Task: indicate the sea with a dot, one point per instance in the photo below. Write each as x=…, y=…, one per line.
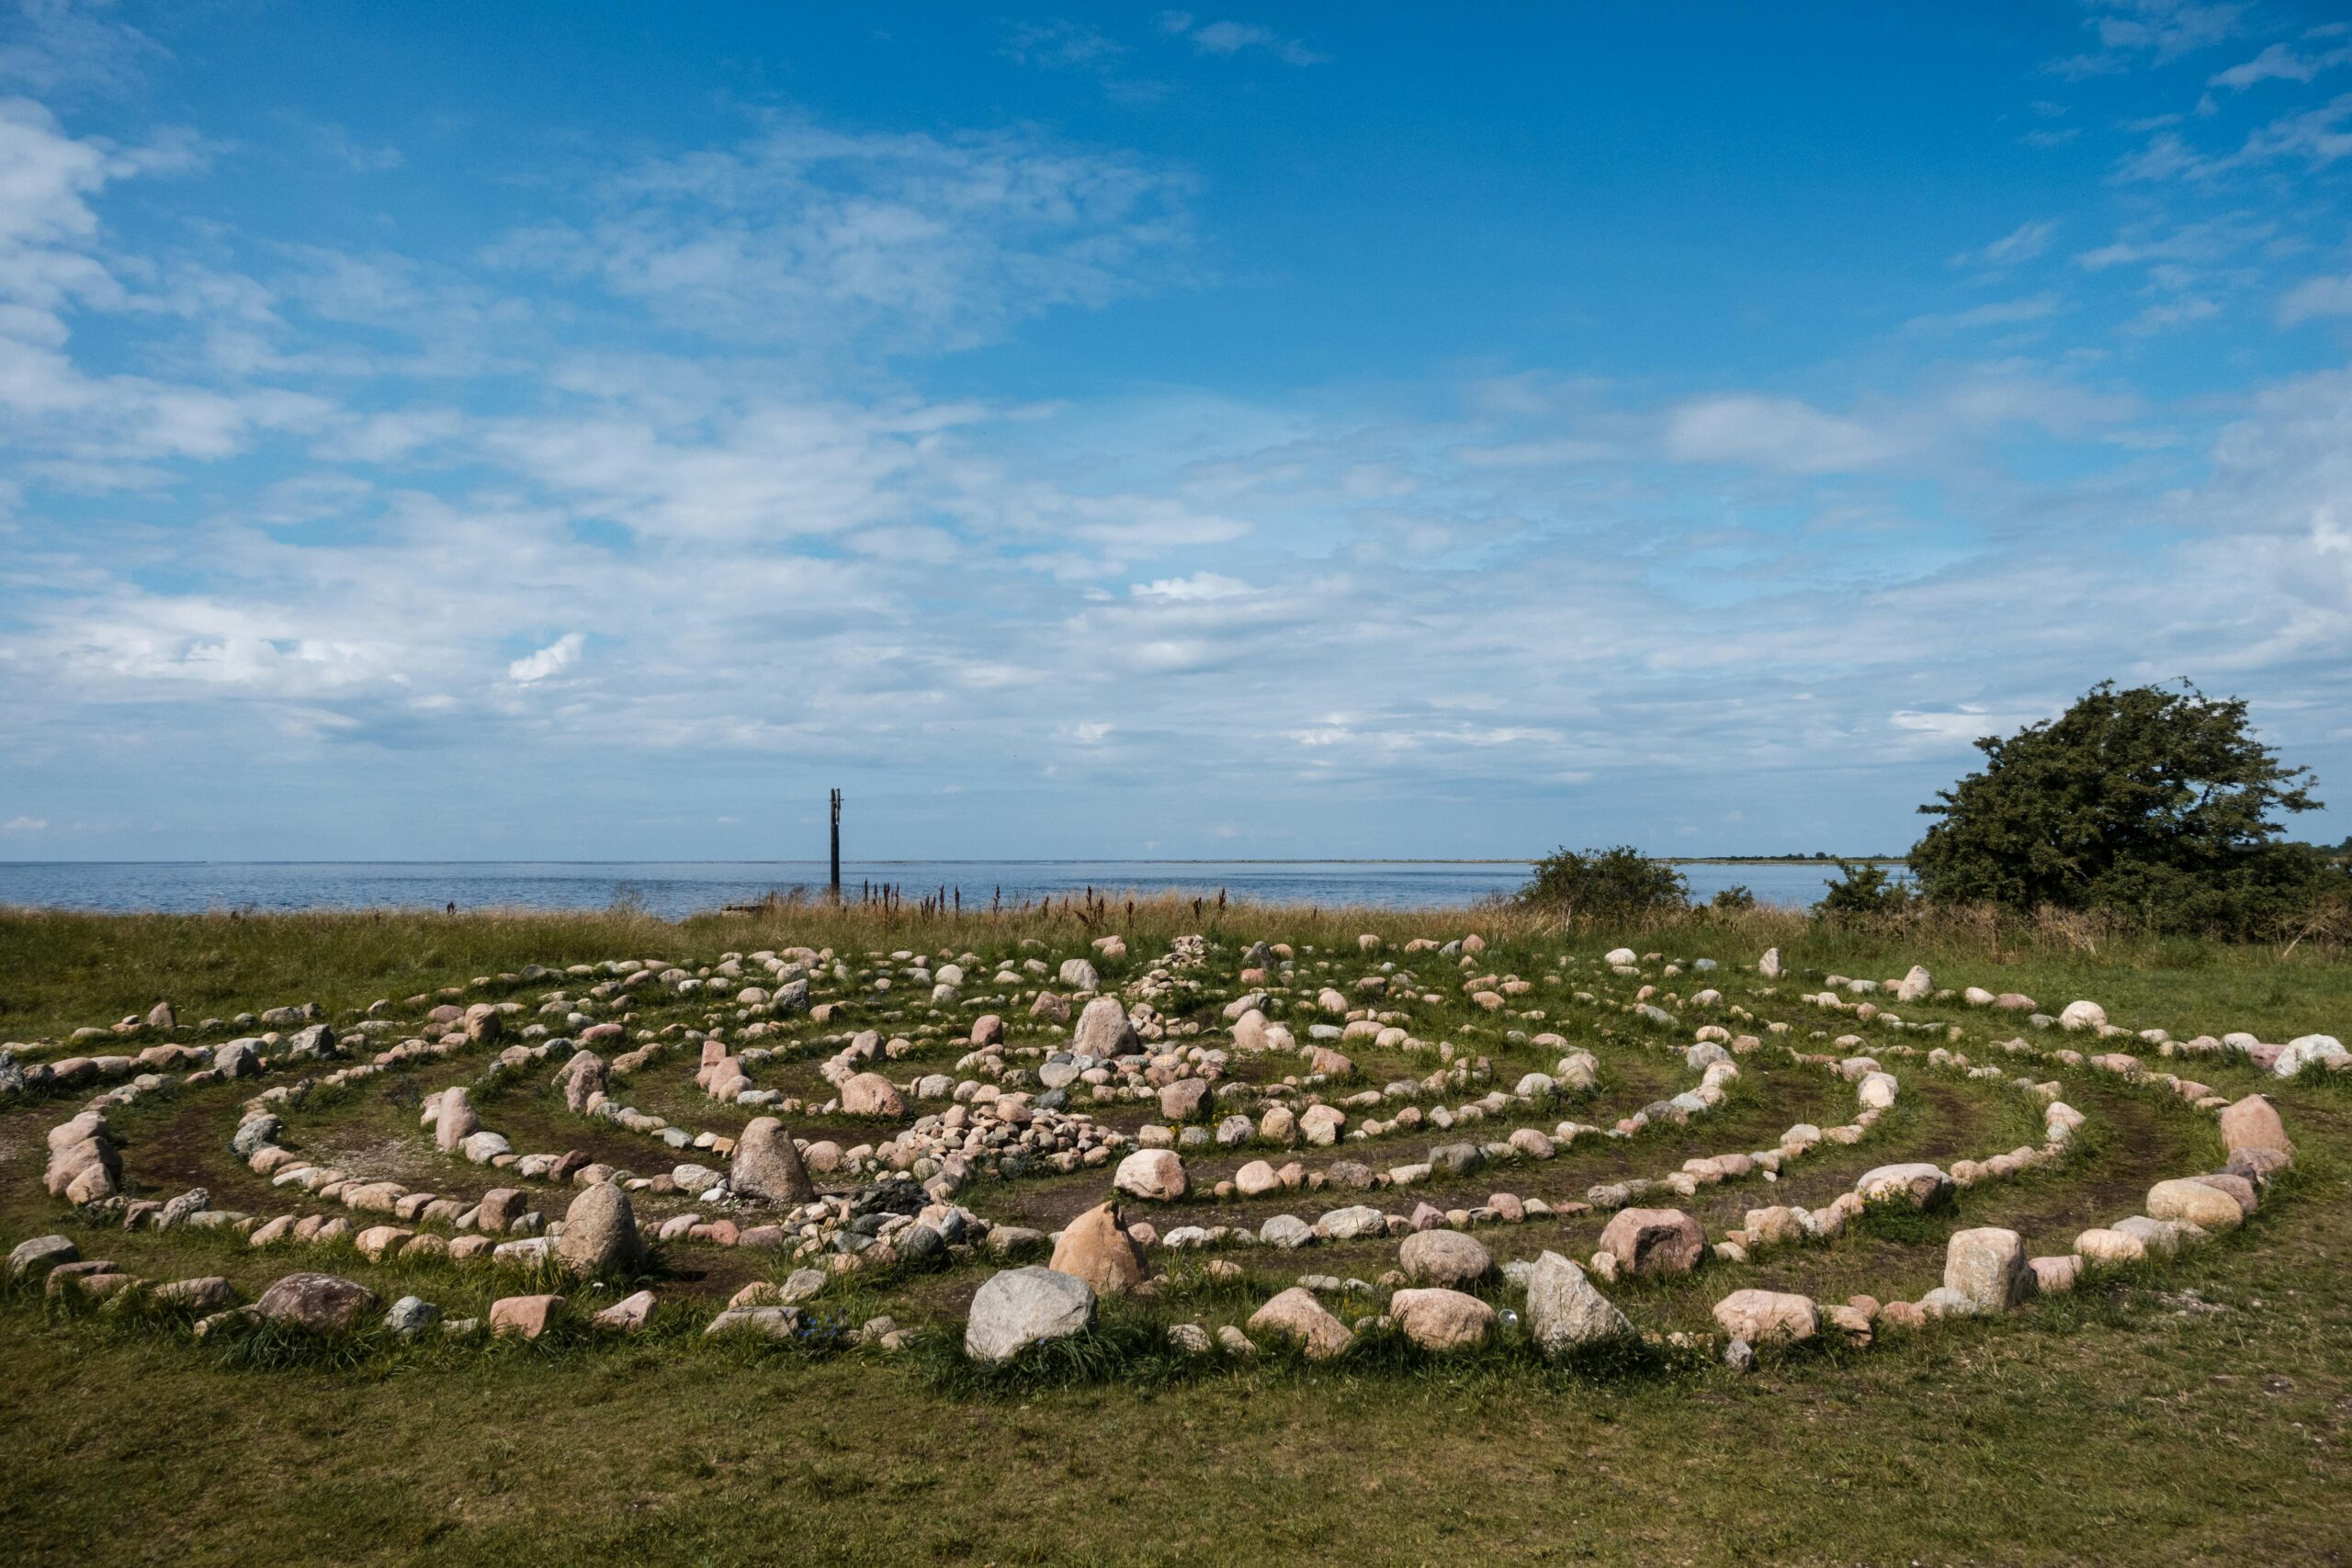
x=675, y=888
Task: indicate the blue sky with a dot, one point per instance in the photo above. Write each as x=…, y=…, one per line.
x=593, y=430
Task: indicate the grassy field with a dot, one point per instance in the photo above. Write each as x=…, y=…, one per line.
x=2187, y=1412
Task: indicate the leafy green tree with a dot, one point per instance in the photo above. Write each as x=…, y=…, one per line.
x=2151, y=799
x=1735, y=897
x=1863, y=889
x=1606, y=885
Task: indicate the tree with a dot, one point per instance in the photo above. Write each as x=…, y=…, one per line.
x=2149, y=799
x=1605, y=884
x=1736, y=899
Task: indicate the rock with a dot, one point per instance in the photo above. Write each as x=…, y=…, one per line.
x=526, y=1316
x=2103, y=1246
x=33, y=1259
x=1351, y=1223
x=1079, y=975
x=1287, y=1232
x=1768, y=1317
x=1988, y=1266
x=411, y=1315
x=1919, y=1185
x=1096, y=1248
x=2240, y=1189
x=2303, y=1051
x=1443, y=1258
x=1103, y=1029
x=1916, y=985
x=1654, y=1241
x=1295, y=1314
x=2252, y=1124
x=323, y=1303
x=1439, y=1319
x=871, y=1094
x=2208, y=1208
x=1154, y=1174
x=1184, y=1098
x=1020, y=1307
x=773, y=1322
x=2082, y=1015
x=1740, y=1356
x=454, y=1120
x=629, y=1314
x=1256, y=1179
x=253, y=1133
x=2055, y=1276
x=1321, y=1124
x=205, y=1294
x=1565, y=1311
x=766, y=1165
x=1457, y=1159
x=1770, y=964
x=600, y=1238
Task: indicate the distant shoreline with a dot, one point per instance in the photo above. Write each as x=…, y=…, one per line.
x=1020, y=860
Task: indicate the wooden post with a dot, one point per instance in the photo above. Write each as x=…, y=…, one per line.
x=837, y=846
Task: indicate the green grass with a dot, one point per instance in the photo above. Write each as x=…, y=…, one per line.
x=2187, y=1412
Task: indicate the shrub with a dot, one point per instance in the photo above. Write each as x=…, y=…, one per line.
x=1605, y=884
x=1863, y=889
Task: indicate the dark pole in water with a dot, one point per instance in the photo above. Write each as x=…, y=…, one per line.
x=837, y=846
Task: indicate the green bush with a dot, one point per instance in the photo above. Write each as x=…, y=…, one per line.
x=1605, y=884
x=1863, y=889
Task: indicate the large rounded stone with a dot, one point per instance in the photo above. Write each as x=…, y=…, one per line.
x=1439, y=1319
x=1919, y=1185
x=1295, y=1314
x=1443, y=1258
x=1654, y=1241
x=2207, y=1208
x=1103, y=1029
x=1768, y=1317
x=600, y=1237
x=1096, y=1248
x=327, y=1303
x=766, y=1165
x=1565, y=1311
x=33, y=1259
x=2252, y=1124
x=1022, y=1307
x=1256, y=1179
x=871, y=1094
x=1154, y=1174
x=2082, y=1015
x=1988, y=1267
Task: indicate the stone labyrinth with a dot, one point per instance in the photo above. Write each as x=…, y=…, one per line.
x=1437, y=1141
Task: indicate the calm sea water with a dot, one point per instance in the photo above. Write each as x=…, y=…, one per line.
x=682, y=887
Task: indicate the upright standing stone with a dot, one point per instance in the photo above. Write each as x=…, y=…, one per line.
x=766, y=1165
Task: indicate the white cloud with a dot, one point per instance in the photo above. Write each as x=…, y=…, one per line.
x=804, y=235
x=1997, y=314
x=2280, y=62
x=2316, y=296
x=1782, y=434
x=2022, y=243
x=24, y=825
x=553, y=660
x=1234, y=38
